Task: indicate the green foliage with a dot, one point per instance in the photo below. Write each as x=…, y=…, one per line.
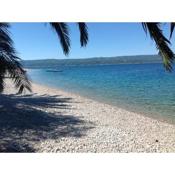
x=62, y=31
x=9, y=62
x=162, y=43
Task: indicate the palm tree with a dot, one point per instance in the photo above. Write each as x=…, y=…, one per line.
x=10, y=62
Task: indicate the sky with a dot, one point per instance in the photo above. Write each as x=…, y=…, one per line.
x=39, y=41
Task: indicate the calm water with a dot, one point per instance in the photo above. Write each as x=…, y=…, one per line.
x=145, y=88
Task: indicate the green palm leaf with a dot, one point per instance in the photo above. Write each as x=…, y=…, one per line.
x=9, y=62
x=63, y=34
x=172, y=29
x=83, y=33
x=162, y=43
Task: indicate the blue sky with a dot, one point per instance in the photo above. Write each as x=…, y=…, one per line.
x=38, y=40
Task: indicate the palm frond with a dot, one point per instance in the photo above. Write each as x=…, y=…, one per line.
x=83, y=33
x=161, y=43
x=144, y=25
x=172, y=28
x=63, y=34
x=3, y=24
x=9, y=62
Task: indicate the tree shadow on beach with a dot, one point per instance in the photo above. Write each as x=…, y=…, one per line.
x=26, y=120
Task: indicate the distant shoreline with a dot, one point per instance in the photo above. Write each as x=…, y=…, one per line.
x=91, y=65
x=141, y=59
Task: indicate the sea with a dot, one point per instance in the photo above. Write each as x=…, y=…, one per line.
x=143, y=88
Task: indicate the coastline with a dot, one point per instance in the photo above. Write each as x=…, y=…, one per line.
x=118, y=106
x=122, y=106
x=92, y=126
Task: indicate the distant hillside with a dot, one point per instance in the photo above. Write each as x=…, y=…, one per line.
x=53, y=63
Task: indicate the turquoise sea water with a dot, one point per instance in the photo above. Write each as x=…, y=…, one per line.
x=145, y=88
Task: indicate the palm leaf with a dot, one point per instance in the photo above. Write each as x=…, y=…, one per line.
x=63, y=34
x=144, y=25
x=83, y=33
x=161, y=43
x=172, y=29
x=9, y=62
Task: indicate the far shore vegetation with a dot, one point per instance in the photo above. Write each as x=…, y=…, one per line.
x=55, y=63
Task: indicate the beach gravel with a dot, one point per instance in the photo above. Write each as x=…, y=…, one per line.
x=52, y=120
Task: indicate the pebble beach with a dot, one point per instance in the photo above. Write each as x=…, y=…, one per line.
x=52, y=120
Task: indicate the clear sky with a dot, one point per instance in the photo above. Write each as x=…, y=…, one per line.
x=38, y=40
